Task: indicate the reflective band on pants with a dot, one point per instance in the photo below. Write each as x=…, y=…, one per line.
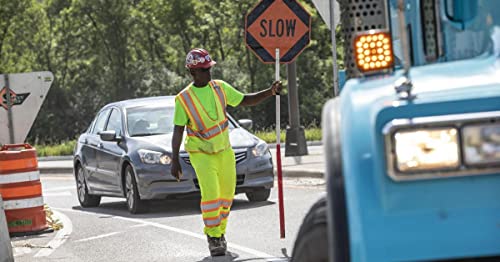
x=216, y=175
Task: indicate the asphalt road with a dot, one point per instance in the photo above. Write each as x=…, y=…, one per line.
x=170, y=231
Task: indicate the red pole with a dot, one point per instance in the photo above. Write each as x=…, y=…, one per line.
x=278, y=152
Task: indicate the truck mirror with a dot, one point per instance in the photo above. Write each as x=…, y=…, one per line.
x=461, y=11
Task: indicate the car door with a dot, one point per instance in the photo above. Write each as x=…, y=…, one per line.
x=109, y=154
x=95, y=181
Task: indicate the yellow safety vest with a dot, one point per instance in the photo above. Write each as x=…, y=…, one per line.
x=204, y=134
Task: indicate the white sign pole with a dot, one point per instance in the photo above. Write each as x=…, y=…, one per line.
x=278, y=151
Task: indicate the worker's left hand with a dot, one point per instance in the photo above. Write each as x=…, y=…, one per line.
x=276, y=88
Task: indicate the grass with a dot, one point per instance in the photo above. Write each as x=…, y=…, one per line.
x=311, y=134
x=66, y=148
x=63, y=149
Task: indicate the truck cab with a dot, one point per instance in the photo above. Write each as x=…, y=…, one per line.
x=412, y=143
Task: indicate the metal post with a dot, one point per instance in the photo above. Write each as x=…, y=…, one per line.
x=334, y=49
x=9, y=109
x=295, y=137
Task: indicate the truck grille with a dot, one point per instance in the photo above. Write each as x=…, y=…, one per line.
x=240, y=157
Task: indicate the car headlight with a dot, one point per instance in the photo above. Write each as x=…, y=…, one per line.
x=426, y=149
x=153, y=157
x=481, y=144
x=260, y=149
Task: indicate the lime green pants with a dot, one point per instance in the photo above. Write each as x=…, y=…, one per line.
x=217, y=179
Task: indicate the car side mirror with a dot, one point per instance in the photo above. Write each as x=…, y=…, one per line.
x=246, y=123
x=109, y=135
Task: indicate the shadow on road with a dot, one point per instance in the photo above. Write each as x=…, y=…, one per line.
x=166, y=208
x=233, y=257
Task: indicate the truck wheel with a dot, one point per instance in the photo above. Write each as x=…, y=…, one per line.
x=259, y=195
x=311, y=244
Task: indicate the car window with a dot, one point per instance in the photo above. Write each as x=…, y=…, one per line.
x=150, y=120
x=100, y=122
x=115, y=122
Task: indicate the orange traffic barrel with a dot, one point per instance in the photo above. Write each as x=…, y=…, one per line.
x=21, y=189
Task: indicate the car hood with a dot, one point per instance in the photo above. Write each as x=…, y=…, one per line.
x=239, y=138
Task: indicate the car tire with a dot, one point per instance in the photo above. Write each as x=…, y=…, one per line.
x=259, y=195
x=85, y=199
x=134, y=203
x=311, y=244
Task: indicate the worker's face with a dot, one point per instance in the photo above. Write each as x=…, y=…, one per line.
x=201, y=75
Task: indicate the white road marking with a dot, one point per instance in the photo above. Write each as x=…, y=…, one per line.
x=97, y=237
x=61, y=236
x=59, y=188
x=177, y=230
x=65, y=193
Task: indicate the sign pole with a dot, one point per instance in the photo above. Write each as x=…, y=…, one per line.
x=278, y=151
x=9, y=109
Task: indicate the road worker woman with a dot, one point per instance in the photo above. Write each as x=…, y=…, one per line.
x=201, y=108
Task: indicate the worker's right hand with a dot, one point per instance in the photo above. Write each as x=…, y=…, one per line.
x=176, y=169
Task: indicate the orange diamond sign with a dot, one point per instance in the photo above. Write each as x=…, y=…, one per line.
x=282, y=24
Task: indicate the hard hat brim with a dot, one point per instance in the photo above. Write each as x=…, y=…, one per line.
x=212, y=63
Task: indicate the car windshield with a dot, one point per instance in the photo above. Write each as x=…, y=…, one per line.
x=153, y=120
x=148, y=120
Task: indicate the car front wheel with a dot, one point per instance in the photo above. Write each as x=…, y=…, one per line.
x=259, y=195
x=134, y=203
x=85, y=199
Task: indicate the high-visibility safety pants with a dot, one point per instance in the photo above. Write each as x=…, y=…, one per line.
x=216, y=175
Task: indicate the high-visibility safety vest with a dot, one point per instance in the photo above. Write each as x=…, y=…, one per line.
x=205, y=134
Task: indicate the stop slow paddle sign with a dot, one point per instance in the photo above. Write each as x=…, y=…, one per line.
x=282, y=24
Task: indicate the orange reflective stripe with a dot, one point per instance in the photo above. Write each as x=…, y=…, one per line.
x=220, y=95
x=211, y=132
x=18, y=165
x=184, y=104
x=196, y=112
x=191, y=110
x=226, y=202
x=21, y=190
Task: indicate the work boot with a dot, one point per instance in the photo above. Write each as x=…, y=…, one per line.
x=215, y=246
x=224, y=242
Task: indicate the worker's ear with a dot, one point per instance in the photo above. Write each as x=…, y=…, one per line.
x=192, y=72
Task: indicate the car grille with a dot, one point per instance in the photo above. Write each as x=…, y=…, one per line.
x=239, y=181
x=240, y=157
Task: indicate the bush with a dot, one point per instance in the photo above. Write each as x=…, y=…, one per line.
x=63, y=149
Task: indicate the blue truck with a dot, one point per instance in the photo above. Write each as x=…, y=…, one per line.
x=412, y=143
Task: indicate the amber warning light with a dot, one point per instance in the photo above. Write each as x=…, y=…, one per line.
x=373, y=51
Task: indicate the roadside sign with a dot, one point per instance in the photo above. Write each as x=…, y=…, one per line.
x=27, y=93
x=324, y=8
x=277, y=24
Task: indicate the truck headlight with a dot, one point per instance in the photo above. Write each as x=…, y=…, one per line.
x=426, y=149
x=481, y=144
x=153, y=157
x=260, y=149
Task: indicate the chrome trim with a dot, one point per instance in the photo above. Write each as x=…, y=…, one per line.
x=444, y=121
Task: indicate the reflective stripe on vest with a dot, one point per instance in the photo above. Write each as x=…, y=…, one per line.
x=203, y=132
x=191, y=108
x=220, y=94
x=211, y=132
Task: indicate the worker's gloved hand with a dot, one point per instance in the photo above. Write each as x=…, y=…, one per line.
x=276, y=87
x=176, y=170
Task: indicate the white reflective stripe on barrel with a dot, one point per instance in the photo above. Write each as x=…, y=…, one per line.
x=23, y=203
x=20, y=177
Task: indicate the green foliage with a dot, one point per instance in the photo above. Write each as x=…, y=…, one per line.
x=63, y=149
x=102, y=51
x=311, y=134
